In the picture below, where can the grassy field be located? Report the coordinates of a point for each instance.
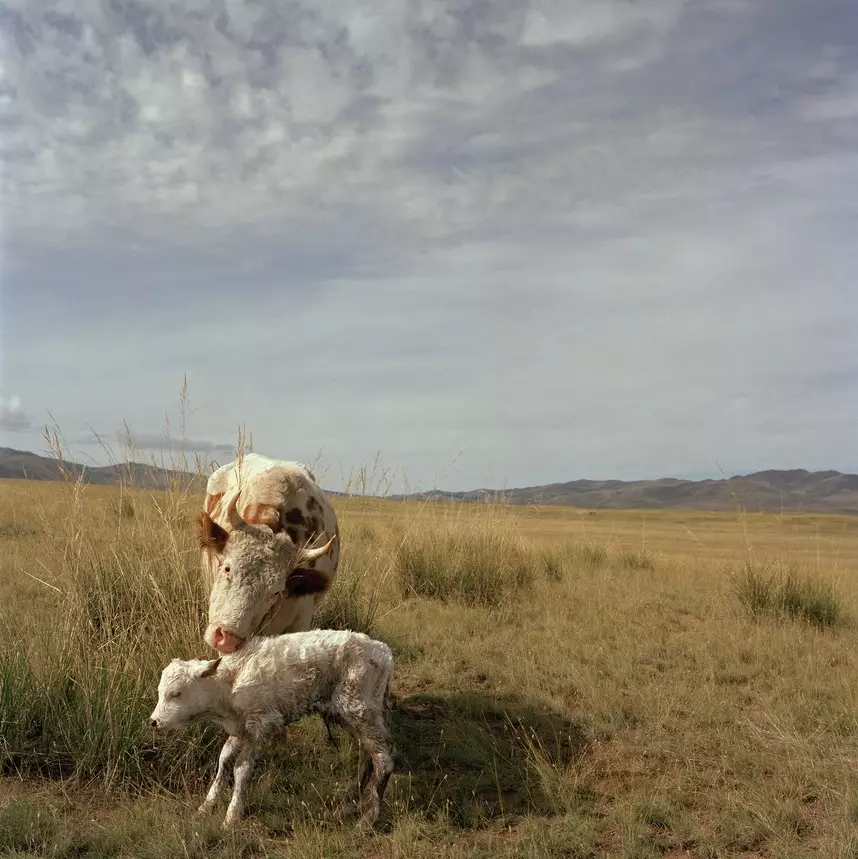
(569, 684)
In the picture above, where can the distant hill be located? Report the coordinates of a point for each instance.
(809, 491)
(23, 464)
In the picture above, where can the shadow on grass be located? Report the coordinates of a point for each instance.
(470, 756)
(466, 760)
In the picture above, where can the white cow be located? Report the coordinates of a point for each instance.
(259, 518)
(274, 680)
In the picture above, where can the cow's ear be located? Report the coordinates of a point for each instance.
(209, 533)
(303, 580)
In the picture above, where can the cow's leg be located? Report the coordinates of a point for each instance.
(227, 753)
(243, 768)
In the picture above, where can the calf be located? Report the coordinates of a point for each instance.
(273, 680)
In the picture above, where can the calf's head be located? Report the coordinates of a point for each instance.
(257, 568)
(185, 692)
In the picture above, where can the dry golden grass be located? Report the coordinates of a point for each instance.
(616, 700)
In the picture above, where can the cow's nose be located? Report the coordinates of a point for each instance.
(153, 723)
(224, 641)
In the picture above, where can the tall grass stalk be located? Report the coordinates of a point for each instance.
(481, 561)
(784, 592)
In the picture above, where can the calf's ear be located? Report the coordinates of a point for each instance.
(209, 669)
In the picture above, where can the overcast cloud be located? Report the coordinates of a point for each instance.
(12, 419)
(571, 239)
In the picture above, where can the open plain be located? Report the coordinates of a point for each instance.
(569, 683)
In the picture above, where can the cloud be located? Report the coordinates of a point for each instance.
(838, 102)
(170, 122)
(11, 416)
(601, 238)
(263, 115)
(160, 442)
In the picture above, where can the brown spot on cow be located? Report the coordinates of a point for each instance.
(209, 533)
(313, 505)
(261, 514)
(293, 534)
(294, 516)
(303, 581)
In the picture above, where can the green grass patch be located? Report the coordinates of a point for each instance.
(771, 590)
(478, 567)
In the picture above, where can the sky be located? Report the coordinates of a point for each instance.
(491, 242)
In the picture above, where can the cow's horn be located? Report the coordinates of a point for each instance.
(313, 554)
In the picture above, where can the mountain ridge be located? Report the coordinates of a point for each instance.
(23, 464)
(769, 490)
(827, 491)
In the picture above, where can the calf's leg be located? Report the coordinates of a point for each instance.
(375, 740)
(243, 767)
(227, 753)
(364, 778)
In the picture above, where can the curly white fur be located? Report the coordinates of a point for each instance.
(273, 680)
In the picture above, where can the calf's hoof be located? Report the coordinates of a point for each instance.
(231, 821)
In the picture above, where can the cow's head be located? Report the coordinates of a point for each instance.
(257, 568)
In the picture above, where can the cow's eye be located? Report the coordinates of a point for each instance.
(227, 568)
(175, 694)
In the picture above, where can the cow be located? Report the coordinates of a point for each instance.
(270, 547)
(275, 680)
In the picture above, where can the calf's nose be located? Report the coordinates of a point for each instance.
(153, 723)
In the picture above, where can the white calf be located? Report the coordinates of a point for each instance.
(273, 680)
